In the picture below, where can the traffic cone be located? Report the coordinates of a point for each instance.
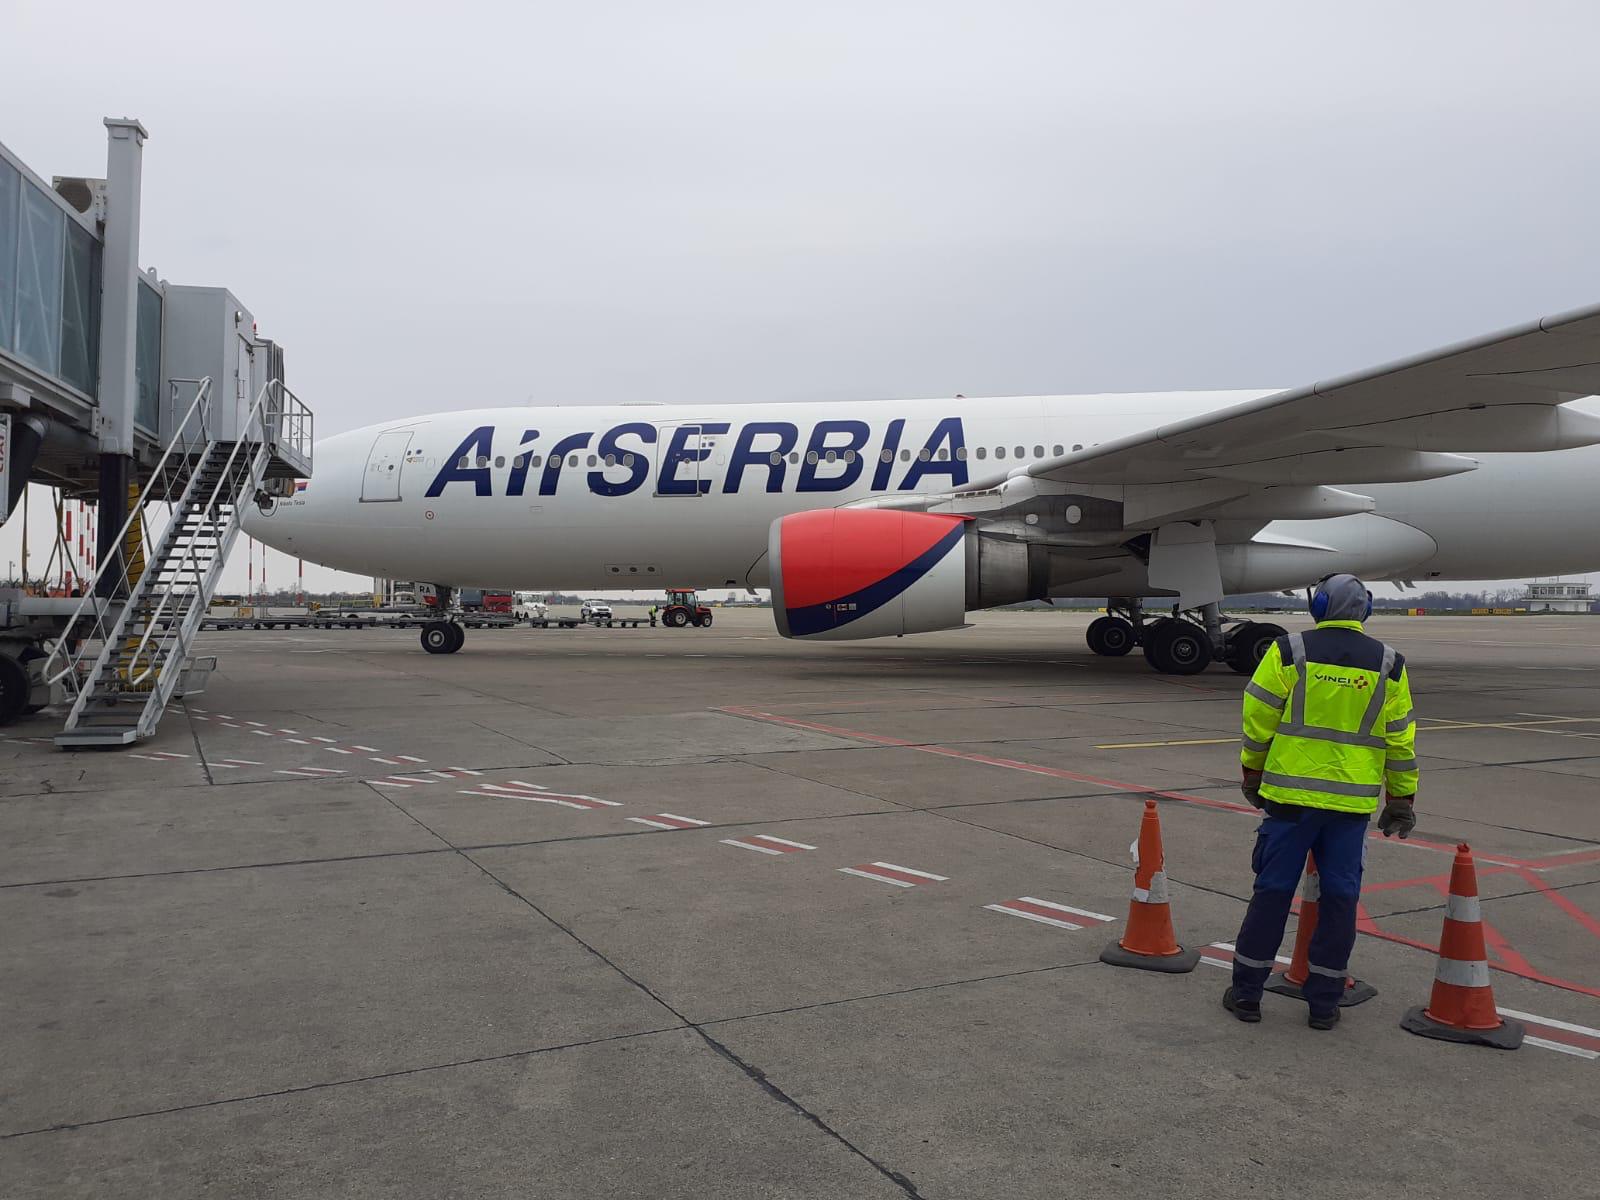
(1291, 981)
(1148, 942)
(1462, 1006)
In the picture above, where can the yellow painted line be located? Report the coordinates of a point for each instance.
(1148, 745)
(1444, 726)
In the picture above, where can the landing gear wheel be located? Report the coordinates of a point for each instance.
(14, 689)
(437, 637)
(458, 637)
(1178, 648)
(1110, 637)
(1248, 645)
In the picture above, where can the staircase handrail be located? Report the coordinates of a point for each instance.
(206, 517)
(117, 561)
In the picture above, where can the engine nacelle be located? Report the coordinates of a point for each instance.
(839, 574)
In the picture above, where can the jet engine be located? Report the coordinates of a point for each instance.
(844, 573)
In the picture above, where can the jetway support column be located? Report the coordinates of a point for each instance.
(119, 296)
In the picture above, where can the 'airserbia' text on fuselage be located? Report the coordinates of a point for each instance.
(835, 456)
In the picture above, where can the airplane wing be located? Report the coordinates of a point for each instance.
(1403, 421)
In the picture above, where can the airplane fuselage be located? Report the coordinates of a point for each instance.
(645, 496)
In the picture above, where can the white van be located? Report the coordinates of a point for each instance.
(526, 606)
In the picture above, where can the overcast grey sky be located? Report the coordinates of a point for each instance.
(451, 205)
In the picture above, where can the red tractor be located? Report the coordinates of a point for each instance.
(684, 608)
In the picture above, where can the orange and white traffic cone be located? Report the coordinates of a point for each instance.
(1290, 982)
(1462, 1006)
(1148, 943)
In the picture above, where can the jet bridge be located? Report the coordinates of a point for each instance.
(161, 406)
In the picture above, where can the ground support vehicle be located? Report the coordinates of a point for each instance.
(683, 607)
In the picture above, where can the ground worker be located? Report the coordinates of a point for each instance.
(1327, 732)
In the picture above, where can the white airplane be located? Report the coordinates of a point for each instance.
(892, 517)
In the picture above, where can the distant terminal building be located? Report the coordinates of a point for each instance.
(1557, 596)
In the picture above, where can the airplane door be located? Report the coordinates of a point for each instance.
(689, 475)
(384, 464)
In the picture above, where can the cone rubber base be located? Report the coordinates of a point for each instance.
(1171, 964)
(1507, 1037)
(1359, 994)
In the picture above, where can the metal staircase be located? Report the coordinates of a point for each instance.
(126, 652)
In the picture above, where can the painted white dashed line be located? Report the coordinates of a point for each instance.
(300, 741)
(262, 732)
(198, 717)
(337, 750)
(765, 843)
(316, 738)
(388, 762)
(291, 731)
(410, 758)
(532, 791)
(233, 764)
(365, 749)
(402, 781)
(668, 821)
(161, 756)
(892, 873)
(259, 723)
(1048, 912)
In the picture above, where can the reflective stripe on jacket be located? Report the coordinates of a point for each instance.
(1327, 720)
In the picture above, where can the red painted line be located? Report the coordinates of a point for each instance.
(1563, 903)
(891, 873)
(1060, 914)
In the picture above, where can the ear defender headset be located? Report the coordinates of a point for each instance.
(1317, 600)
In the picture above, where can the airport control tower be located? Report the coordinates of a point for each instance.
(157, 406)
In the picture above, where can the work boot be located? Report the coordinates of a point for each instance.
(1325, 1020)
(1248, 1011)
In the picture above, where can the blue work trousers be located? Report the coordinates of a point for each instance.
(1338, 841)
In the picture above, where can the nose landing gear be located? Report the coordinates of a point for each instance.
(443, 637)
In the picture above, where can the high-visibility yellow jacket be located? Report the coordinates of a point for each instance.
(1327, 720)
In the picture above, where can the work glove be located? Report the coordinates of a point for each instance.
(1398, 816)
(1251, 787)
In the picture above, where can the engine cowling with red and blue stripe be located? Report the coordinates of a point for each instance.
(844, 573)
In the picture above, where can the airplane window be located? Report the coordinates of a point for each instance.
(573, 461)
(627, 460)
(905, 456)
(1021, 451)
(983, 452)
(611, 460)
(592, 460)
(483, 460)
(500, 461)
(794, 456)
(849, 456)
(464, 463)
(520, 462)
(832, 456)
(923, 455)
(775, 458)
(961, 453)
(1058, 451)
(942, 455)
(811, 457)
(886, 455)
(1076, 446)
(535, 460)
(1038, 451)
(999, 451)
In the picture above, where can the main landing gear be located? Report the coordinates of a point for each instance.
(1183, 644)
(443, 637)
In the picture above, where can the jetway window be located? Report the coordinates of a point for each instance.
(80, 310)
(10, 181)
(40, 233)
(147, 357)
